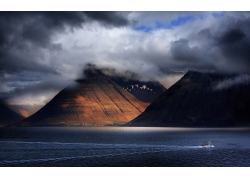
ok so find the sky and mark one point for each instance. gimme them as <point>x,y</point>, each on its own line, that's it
<point>42,52</point>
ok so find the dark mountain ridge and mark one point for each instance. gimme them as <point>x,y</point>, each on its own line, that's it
<point>7,115</point>
<point>200,99</point>
<point>146,91</point>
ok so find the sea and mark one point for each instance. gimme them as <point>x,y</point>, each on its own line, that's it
<point>123,147</point>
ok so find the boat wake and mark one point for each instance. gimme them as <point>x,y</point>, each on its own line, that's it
<point>209,146</point>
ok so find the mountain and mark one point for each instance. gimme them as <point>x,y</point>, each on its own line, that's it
<point>25,110</point>
<point>8,116</point>
<point>93,101</point>
<point>200,99</point>
<point>146,91</point>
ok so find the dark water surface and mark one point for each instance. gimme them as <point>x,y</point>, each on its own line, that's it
<point>123,146</point>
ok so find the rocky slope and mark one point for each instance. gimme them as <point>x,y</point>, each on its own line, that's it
<point>95,100</point>
<point>146,91</point>
<point>8,116</point>
<point>200,99</point>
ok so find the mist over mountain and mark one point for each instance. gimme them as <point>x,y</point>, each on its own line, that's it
<point>95,100</point>
<point>144,90</point>
<point>201,99</point>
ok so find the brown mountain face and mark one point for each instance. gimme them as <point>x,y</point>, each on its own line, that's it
<point>8,116</point>
<point>201,99</point>
<point>95,100</point>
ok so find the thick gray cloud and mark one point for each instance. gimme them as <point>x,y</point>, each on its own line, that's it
<point>232,36</point>
<point>27,44</point>
<point>108,18</point>
<point>153,45</point>
<point>46,89</point>
<point>235,44</point>
<point>192,58</point>
<point>182,52</point>
<point>36,27</point>
<point>220,46</point>
<point>28,33</point>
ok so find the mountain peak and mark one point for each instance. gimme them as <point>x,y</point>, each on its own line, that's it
<point>194,101</point>
<point>94,100</point>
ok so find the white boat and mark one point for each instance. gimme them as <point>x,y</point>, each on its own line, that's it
<point>209,144</point>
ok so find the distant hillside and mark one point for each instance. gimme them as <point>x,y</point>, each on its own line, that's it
<point>146,91</point>
<point>8,116</point>
<point>93,101</point>
<point>201,99</point>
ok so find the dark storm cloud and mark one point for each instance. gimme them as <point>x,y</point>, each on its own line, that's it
<point>108,18</point>
<point>236,45</point>
<point>1,39</point>
<point>232,36</point>
<point>225,47</point>
<point>37,27</point>
<point>24,35</point>
<point>26,39</point>
<point>181,51</point>
<point>41,30</point>
<point>16,61</point>
<point>186,57</point>
<point>38,34</point>
<point>60,43</point>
